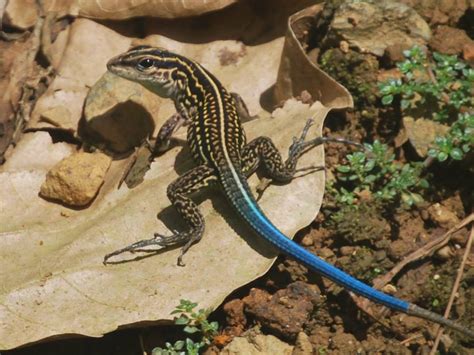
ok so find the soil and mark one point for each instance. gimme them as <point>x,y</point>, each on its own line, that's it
<point>367,244</point>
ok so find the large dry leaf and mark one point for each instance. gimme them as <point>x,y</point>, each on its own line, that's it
<point>51,272</point>
<point>231,61</point>
<point>53,279</point>
<point>296,67</point>
<point>123,9</point>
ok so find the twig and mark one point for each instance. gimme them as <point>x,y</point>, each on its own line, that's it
<point>424,251</point>
<point>409,339</point>
<point>454,290</point>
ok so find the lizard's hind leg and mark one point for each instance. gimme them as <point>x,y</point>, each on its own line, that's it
<point>262,151</point>
<point>178,192</point>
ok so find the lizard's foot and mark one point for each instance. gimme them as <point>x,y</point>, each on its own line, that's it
<point>187,238</point>
<point>131,248</point>
<point>299,146</point>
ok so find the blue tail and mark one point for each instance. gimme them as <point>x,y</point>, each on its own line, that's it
<point>238,193</point>
<point>248,208</point>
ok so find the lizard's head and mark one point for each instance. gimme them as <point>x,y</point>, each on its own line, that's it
<point>155,68</point>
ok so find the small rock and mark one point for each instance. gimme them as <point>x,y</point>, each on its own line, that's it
<point>365,195</point>
<point>326,254</point>
<point>305,97</point>
<point>303,345</point>
<point>347,250</point>
<point>389,289</point>
<point>118,113</point>
<point>221,340</point>
<point>468,52</point>
<point>395,24</point>
<point>257,345</point>
<point>445,253</point>
<point>439,11</point>
<point>399,248</point>
<point>449,40</point>
<point>385,75</point>
<point>285,312</point>
<point>394,53</point>
<point>59,116</point>
<point>75,180</point>
<point>344,46</point>
<point>408,323</point>
<point>443,216</point>
<point>460,237</point>
<point>235,316</point>
<point>422,132</point>
<point>307,240</point>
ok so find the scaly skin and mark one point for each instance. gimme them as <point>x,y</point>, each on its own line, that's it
<point>218,144</point>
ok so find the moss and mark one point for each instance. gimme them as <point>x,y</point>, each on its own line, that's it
<point>361,224</point>
<point>357,72</point>
<point>365,264</point>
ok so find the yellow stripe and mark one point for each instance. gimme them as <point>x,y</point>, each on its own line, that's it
<point>223,139</point>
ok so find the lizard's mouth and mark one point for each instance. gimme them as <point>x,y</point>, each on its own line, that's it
<point>120,68</point>
<point>115,64</point>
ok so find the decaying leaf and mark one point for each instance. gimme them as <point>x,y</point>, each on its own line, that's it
<point>123,9</point>
<point>51,272</point>
<point>298,73</point>
<point>53,279</point>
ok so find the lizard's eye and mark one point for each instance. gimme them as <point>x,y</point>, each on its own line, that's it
<point>145,64</point>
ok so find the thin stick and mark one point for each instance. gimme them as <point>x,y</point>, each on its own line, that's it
<point>454,290</point>
<point>424,251</point>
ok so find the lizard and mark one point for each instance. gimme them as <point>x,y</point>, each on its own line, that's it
<point>218,145</point>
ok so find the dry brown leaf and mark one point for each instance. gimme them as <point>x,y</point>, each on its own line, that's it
<point>53,279</point>
<point>82,66</point>
<point>51,272</point>
<point>298,73</point>
<point>124,9</point>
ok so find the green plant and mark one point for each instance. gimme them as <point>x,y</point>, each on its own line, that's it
<point>458,140</point>
<point>440,89</point>
<point>375,172</point>
<point>194,323</point>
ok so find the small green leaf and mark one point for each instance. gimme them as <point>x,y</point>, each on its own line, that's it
<point>423,183</point>
<point>387,100</point>
<point>442,156</point>
<point>190,329</point>
<point>432,152</point>
<point>182,320</point>
<point>456,154</point>
<point>179,345</point>
<point>404,104</point>
<point>343,168</point>
<point>370,178</point>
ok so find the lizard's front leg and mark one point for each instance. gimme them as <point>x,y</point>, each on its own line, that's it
<point>178,192</point>
<point>262,151</point>
<point>170,126</point>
